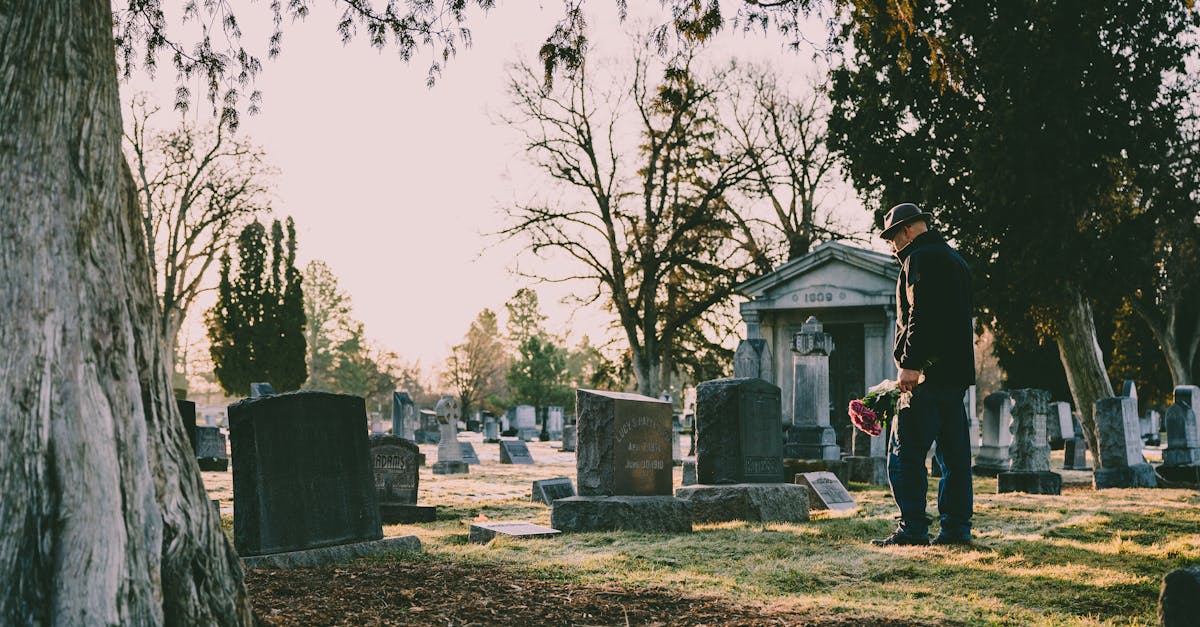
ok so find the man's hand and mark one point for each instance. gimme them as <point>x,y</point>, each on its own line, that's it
<point>909,379</point>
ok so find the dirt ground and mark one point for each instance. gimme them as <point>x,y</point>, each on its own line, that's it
<point>428,593</point>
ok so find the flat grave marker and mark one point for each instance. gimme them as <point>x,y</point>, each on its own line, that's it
<point>548,490</point>
<point>514,452</point>
<point>825,491</point>
<point>483,532</point>
<point>468,453</point>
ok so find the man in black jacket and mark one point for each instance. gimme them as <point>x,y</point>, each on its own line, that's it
<point>935,353</point>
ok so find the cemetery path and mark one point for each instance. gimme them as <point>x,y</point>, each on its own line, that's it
<point>394,592</point>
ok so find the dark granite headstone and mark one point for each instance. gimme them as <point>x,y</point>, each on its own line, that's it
<point>468,453</point>
<point>187,411</point>
<point>1179,598</point>
<point>825,491</point>
<point>624,444</point>
<point>514,452</point>
<point>738,439</point>
<point>1181,458</point>
<point>303,477</point>
<point>403,416</point>
<point>430,431</point>
<point>395,462</point>
<point>548,490</point>
<point>210,449</point>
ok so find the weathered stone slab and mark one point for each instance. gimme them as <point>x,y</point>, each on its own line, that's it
<point>569,441</point>
<point>404,416</point>
<point>491,429</point>
<point>624,444</point>
<point>993,455</point>
<point>739,439</point>
<point>689,471</point>
<point>840,469</point>
<point>1179,598</point>
<point>1043,482</point>
<point>1059,425</point>
<point>757,502</point>
<point>554,423</point>
<point>210,449</point>
<point>525,419</point>
<point>1029,450</point>
<point>649,514</point>
<point>1183,429</point>
<point>825,491</point>
<point>753,360</point>
<point>395,462</point>
<point>332,554</point>
<point>483,532</point>
<point>1120,464</point>
<point>303,477</point>
<point>872,470</point>
<point>514,452</point>
<point>549,490</point>
<point>811,436</point>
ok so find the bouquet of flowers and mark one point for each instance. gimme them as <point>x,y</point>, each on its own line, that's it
<point>872,412</point>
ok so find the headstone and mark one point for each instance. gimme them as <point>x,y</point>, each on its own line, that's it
<point>676,444</point>
<point>514,452</point>
<point>568,439</point>
<point>429,430</point>
<point>868,464</point>
<point>468,454</point>
<point>1151,425</point>
<point>1179,598</point>
<point>1029,470</point>
<point>450,459</point>
<point>993,457</point>
<point>554,423</point>
<point>187,412</point>
<point>1120,464</point>
<point>210,449</point>
<point>258,390</point>
<point>526,423</point>
<point>973,427</point>
<point>738,439</point>
<point>811,436</point>
<point>825,491</point>
<point>302,475</point>
<point>751,360</point>
<point>549,490</point>
<point>404,412</point>
<point>1129,389</point>
<point>623,464</point>
<point>689,471</point>
<point>1181,458</point>
<point>739,455</point>
<point>483,532</point>
<point>395,462</point>
<point>1059,427</point>
<point>475,422</point>
<point>1075,449</point>
<point>491,429</point>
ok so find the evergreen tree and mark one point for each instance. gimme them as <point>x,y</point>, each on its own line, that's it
<point>256,328</point>
<point>539,375</point>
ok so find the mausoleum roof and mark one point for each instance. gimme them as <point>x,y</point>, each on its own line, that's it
<point>869,261</point>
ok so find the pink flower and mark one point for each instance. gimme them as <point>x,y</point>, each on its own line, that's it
<point>864,418</point>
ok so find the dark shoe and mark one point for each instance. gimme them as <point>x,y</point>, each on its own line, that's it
<point>901,537</point>
<point>945,540</point>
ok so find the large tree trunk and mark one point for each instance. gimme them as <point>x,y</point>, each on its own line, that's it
<point>104,519</point>
<point>1084,363</point>
<point>1163,328</point>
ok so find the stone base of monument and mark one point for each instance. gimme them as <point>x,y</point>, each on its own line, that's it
<point>451,468</point>
<point>793,467</point>
<point>482,533</point>
<point>1134,476</point>
<point>654,514</point>
<point>1182,473</point>
<point>872,470</point>
<point>333,554</point>
<point>989,468</point>
<point>755,502</point>
<point>1032,482</point>
<point>213,464</point>
<point>406,514</point>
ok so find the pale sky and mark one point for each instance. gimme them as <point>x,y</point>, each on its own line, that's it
<point>395,186</point>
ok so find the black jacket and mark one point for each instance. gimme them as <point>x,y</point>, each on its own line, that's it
<point>933,318</point>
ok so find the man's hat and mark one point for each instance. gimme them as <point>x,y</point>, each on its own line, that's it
<point>898,216</point>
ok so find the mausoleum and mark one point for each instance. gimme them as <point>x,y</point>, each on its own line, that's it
<point>852,291</point>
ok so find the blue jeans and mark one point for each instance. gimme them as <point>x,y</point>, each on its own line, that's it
<point>935,414</point>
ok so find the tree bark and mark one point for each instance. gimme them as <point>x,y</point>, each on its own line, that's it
<point>104,519</point>
<point>1084,363</point>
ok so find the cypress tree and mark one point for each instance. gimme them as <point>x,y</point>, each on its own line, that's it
<point>256,326</point>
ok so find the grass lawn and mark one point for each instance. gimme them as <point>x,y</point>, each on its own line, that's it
<point>1082,558</point>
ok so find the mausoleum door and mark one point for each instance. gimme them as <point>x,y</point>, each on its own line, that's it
<point>846,373</point>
